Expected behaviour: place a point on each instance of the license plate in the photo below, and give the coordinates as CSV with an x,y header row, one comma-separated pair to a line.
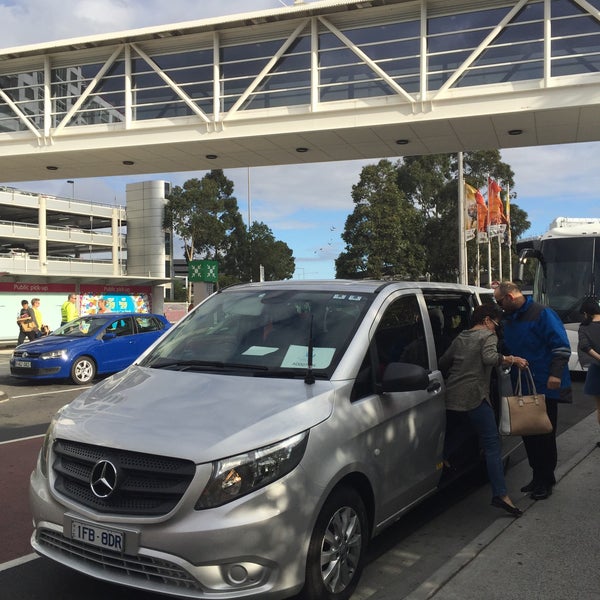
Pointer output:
x,y
24,364
98,536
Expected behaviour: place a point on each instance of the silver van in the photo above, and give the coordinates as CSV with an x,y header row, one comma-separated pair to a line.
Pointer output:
x,y
254,450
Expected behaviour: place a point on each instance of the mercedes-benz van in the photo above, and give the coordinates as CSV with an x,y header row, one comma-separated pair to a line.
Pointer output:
x,y
254,450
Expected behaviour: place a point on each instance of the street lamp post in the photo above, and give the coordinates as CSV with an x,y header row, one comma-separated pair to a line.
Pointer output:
x,y
72,188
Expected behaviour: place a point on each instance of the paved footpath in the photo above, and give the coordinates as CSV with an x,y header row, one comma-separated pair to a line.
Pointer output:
x,y
551,553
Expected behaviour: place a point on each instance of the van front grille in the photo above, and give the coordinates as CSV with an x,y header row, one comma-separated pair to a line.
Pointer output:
x,y
146,485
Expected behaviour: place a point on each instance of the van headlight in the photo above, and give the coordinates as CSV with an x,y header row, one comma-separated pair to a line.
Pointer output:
x,y
242,474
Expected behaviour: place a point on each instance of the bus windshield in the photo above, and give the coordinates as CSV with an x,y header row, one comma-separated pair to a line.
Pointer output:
x,y
570,272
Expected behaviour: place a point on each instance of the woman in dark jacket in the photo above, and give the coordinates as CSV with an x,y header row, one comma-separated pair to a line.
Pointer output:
x,y
589,349
469,361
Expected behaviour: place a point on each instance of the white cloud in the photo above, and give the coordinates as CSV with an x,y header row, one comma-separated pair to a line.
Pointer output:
x,y
36,21
555,181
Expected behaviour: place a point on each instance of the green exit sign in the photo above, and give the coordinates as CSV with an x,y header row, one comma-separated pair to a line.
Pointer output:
x,y
203,270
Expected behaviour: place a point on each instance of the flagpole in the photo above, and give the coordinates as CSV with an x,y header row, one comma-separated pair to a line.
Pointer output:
x,y
478,278
489,241
499,259
462,238
509,238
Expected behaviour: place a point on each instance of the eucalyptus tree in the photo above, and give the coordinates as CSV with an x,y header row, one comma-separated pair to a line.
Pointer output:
x,y
383,232
205,215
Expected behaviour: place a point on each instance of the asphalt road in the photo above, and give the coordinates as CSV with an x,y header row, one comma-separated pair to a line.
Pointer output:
x,y
399,560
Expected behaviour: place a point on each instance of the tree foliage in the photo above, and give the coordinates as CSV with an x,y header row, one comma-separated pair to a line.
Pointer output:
x,y
205,215
382,233
405,220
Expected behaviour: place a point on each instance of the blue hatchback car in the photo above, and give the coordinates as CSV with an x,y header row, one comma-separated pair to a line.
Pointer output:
x,y
88,346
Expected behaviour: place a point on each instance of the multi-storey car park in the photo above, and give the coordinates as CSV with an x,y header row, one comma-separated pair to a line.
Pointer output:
x,y
51,247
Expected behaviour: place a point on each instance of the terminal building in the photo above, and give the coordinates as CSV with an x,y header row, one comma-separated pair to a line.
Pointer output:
x,y
51,247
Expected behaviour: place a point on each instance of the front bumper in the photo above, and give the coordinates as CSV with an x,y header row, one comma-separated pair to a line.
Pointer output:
x,y
254,547
39,369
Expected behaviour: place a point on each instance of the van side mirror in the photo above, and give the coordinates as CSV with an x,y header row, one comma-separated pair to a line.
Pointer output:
x,y
404,377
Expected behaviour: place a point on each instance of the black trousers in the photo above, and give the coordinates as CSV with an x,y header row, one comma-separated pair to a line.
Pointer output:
x,y
25,335
541,449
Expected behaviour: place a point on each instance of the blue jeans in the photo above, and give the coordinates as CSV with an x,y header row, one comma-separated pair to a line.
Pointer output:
x,y
483,421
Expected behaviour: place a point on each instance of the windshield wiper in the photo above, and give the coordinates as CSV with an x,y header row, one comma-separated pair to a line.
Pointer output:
x,y
205,365
293,374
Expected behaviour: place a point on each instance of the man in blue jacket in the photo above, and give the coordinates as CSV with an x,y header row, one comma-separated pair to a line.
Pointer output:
x,y
535,332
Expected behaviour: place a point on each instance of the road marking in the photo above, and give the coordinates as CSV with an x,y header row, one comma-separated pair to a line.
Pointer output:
x,y
31,437
18,561
54,392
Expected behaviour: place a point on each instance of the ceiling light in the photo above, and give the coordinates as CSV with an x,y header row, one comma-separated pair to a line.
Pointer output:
x,y
52,168
128,162
211,156
402,142
301,149
515,131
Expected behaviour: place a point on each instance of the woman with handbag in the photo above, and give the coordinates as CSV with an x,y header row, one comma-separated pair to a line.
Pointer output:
x,y
26,323
588,349
469,361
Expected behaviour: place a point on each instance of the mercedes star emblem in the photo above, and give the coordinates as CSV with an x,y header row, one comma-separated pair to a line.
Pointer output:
x,y
103,479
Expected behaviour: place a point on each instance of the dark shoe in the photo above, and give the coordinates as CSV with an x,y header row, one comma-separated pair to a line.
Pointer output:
x,y
513,510
541,492
526,489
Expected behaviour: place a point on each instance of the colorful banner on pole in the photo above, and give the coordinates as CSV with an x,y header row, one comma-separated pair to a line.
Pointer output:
x,y
476,215
497,218
470,212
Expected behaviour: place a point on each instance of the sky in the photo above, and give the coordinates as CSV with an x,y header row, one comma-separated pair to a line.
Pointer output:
x,y
306,205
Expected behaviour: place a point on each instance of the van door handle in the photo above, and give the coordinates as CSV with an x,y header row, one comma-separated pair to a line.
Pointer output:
x,y
436,386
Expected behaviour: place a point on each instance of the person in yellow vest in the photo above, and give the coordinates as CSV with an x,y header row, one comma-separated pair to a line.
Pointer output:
x,y
41,328
68,310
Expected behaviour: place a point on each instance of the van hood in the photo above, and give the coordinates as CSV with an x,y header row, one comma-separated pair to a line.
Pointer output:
x,y
197,416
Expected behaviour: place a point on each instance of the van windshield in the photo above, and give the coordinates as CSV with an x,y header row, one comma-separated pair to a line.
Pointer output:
x,y
264,333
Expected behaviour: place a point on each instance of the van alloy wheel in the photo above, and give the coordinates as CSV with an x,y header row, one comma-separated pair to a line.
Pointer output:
x,y
337,548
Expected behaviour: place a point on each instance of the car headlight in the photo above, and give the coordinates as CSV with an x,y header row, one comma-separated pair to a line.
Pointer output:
x,y
239,475
54,354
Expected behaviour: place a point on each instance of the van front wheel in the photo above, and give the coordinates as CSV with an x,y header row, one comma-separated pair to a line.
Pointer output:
x,y
336,552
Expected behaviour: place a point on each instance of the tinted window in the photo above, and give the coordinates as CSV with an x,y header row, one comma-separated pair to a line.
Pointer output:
x,y
146,323
400,337
571,273
121,327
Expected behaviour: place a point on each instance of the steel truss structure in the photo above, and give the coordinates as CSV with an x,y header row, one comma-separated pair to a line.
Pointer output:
x,y
328,80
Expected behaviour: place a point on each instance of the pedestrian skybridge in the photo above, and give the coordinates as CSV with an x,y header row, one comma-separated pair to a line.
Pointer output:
x,y
312,82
